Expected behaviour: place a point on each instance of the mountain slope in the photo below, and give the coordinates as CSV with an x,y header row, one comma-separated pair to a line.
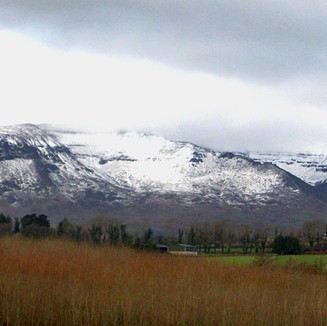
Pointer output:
x,y
311,168
35,166
148,163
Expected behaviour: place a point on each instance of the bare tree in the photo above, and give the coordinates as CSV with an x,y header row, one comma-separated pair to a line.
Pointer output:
x,y
191,237
230,235
260,237
113,233
220,234
245,237
180,235
96,234
205,237
313,231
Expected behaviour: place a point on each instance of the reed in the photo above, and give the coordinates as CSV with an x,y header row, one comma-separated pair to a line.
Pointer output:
x,y
58,282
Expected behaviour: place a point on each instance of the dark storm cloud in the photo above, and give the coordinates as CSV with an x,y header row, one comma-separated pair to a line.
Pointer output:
x,y
258,40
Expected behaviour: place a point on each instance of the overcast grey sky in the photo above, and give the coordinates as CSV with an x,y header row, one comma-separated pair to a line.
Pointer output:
x,y
232,75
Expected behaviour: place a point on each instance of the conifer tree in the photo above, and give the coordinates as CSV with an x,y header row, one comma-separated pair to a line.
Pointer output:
x,y
17,226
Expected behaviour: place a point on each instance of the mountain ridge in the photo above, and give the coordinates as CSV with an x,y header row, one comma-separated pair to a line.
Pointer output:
x,y
80,174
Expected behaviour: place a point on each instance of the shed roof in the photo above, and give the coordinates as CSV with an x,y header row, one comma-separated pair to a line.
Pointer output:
x,y
182,247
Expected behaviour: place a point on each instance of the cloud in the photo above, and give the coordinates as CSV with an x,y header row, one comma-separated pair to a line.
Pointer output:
x,y
231,75
258,40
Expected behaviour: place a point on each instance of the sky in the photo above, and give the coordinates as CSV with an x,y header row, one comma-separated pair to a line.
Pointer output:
x,y
233,75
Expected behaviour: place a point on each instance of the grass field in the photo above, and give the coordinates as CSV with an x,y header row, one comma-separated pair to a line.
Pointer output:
x,y
56,282
244,260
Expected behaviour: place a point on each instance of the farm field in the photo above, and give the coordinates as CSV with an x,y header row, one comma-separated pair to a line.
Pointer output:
x,y
244,260
58,282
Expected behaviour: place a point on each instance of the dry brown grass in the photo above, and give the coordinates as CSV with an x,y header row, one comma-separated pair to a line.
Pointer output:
x,y
56,282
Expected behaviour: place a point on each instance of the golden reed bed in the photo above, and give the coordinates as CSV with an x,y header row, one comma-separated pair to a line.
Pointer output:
x,y
57,282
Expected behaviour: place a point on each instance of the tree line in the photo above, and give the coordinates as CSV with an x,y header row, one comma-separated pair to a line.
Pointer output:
x,y
225,235
107,231
218,236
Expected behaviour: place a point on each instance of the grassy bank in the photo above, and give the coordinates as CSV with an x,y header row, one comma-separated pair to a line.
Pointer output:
x,y
244,260
56,282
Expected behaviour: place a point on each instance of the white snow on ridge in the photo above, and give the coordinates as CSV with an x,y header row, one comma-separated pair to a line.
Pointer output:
x,y
28,133
20,170
151,163
60,169
109,144
139,163
311,168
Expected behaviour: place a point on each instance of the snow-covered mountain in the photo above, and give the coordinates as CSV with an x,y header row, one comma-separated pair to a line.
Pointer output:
x,y
34,162
36,168
152,164
311,168
65,172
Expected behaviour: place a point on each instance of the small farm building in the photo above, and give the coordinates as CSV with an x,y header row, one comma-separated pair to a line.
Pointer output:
x,y
183,249
162,248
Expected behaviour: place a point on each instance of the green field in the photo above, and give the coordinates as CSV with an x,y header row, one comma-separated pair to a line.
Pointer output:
x,y
243,260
